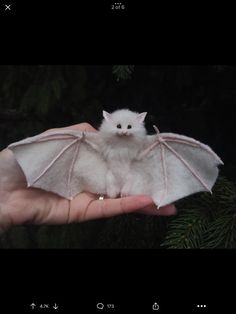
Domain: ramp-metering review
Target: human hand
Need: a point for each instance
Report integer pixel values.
(19, 204)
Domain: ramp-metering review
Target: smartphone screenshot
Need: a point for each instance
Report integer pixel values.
(117, 161)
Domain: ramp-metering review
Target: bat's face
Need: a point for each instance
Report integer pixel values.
(124, 123)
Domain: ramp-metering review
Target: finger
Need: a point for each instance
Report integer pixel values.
(167, 210)
(86, 127)
(11, 174)
(112, 207)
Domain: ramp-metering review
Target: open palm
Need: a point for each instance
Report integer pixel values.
(19, 204)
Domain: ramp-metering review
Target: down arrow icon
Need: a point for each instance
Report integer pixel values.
(55, 306)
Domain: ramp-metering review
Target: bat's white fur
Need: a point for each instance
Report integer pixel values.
(121, 146)
(119, 159)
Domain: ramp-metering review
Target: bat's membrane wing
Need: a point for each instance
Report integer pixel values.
(179, 166)
(50, 161)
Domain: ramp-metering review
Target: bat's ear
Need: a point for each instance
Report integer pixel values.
(106, 115)
(141, 117)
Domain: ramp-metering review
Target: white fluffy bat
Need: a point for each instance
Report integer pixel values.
(118, 160)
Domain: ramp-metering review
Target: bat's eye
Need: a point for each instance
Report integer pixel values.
(118, 126)
(129, 126)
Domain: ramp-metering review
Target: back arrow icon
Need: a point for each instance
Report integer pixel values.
(55, 306)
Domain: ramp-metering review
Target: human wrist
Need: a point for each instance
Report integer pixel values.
(4, 221)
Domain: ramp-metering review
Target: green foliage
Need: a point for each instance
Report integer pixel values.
(122, 72)
(35, 98)
(43, 93)
(34, 88)
(205, 220)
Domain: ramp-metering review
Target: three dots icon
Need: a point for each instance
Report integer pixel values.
(201, 305)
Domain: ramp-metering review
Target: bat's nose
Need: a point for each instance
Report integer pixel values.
(122, 133)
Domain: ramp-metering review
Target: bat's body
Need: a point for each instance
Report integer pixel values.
(118, 160)
(121, 147)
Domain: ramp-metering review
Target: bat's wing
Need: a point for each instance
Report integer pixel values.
(59, 161)
(178, 166)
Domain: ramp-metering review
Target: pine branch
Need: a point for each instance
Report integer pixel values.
(122, 72)
(204, 220)
(221, 233)
(186, 230)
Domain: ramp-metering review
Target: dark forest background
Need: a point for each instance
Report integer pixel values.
(196, 101)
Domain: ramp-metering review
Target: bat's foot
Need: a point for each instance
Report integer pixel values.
(125, 191)
(113, 193)
(122, 194)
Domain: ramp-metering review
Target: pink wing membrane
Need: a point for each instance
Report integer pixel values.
(50, 161)
(179, 166)
(68, 162)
